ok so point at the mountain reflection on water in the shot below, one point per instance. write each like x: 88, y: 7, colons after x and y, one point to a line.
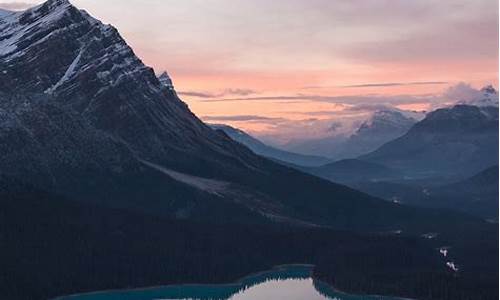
x: 292, y: 282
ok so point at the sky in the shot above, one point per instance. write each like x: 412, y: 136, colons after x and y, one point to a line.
x: 299, y: 69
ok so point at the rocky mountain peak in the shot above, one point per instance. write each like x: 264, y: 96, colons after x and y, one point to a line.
x: 166, y: 81
x: 487, y: 96
x: 57, y: 55
x: 386, y: 120
x: 489, y: 89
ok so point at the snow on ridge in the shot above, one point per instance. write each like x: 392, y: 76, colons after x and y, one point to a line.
x: 487, y: 96
x: 12, y: 31
x: 67, y: 75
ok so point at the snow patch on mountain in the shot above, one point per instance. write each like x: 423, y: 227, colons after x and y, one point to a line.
x: 389, y: 118
x: 13, y: 25
x: 464, y: 93
x: 487, y: 96
x: 69, y: 72
x: 208, y: 185
x: 166, y: 81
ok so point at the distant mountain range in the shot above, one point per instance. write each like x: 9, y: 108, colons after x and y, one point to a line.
x: 456, y: 141
x: 382, y: 127
x: 451, y: 144
x: 262, y: 149
x: 477, y: 195
x: 354, y: 170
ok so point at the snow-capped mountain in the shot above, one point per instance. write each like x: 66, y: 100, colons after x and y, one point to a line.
x: 379, y: 128
x: 487, y: 96
x: 80, y: 114
x: 460, y: 140
x: 382, y: 127
x: 384, y: 122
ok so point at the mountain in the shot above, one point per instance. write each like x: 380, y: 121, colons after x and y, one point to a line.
x: 262, y: 149
x: 476, y: 195
x: 4, y: 13
x: 488, y: 96
x: 82, y: 116
x: 319, y: 146
x: 353, y: 170
x: 456, y: 141
x: 382, y: 127
x: 166, y: 81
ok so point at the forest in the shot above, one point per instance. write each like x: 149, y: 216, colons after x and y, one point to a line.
x: 68, y: 247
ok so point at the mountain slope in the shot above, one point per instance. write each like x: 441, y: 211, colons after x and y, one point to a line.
x: 460, y: 140
x: 262, y: 149
x: 353, y: 170
x: 477, y: 195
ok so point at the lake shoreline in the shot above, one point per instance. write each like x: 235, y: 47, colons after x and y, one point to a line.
x: 238, y: 282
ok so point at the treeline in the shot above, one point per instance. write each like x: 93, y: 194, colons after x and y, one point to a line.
x: 51, y: 246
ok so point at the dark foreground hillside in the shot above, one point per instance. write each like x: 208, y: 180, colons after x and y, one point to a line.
x: 68, y: 248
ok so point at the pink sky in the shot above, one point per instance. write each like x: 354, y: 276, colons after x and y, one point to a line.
x: 290, y: 68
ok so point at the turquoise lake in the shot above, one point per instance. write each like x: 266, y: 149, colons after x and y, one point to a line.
x: 281, y: 283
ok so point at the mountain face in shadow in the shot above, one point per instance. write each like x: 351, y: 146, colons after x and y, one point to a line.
x: 81, y: 115
x: 273, y: 153
x: 477, y: 195
x: 457, y: 141
x: 354, y: 170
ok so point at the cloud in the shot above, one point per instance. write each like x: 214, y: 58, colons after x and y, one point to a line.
x: 474, y: 38
x: 226, y: 92
x: 390, y: 84
x: 335, y: 126
x: 241, y: 118
x: 16, y: 5
x: 240, y: 92
x: 346, y: 114
x: 461, y: 92
x: 368, y: 107
x: 382, y: 84
x: 341, y: 100
x: 196, y: 94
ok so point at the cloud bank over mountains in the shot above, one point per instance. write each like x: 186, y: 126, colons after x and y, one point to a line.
x: 345, y: 115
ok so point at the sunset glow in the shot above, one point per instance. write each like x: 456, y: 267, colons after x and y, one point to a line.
x: 300, y: 65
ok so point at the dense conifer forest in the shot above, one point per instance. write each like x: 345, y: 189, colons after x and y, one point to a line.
x: 68, y: 248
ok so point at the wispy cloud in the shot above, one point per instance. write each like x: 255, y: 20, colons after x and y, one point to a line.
x: 241, y: 118
x: 378, y: 84
x: 196, y: 94
x: 15, y: 5
x: 390, y: 84
x: 341, y: 100
x: 225, y: 93
x: 335, y: 126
